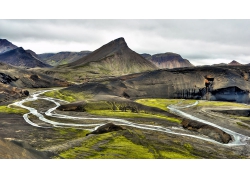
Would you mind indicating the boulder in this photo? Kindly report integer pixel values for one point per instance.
(210, 131)
(109, 127)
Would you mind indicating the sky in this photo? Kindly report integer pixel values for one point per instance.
(200, 41)
(204, 32)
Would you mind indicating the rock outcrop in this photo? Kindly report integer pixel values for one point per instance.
(210, 131)
(109, 127)
(230, 83)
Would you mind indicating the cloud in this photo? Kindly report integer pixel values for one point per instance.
(196, 40)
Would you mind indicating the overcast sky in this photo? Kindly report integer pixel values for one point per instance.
(200, 41)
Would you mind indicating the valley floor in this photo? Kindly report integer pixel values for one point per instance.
(136, 142)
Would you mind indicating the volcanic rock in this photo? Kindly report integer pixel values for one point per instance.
(210, 131)
(109, 127)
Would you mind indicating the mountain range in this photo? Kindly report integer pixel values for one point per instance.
(17, 56)
(55, 59)
(232, 63)
(5, 46)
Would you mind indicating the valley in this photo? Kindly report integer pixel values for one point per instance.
(114, 103)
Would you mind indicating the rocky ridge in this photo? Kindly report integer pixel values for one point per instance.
(167, 60)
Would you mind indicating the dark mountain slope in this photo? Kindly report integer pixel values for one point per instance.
(214, 83)
(22, 58)
(114, 58)
(5, 46)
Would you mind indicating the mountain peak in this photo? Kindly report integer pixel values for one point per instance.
(234, 63)
(5, 46)
(119, 42)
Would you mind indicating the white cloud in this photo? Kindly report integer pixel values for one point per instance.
(196, 40)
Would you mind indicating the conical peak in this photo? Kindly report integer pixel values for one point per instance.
(4, 42)
(120, 42)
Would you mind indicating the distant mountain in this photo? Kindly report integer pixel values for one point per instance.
(114, 58)
(20, 57)
(61, 58)
(220, 64)
(5, 46)
(32, 53)
(167, 60)
(234, 63)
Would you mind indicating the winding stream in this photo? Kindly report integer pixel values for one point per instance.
(238, 139)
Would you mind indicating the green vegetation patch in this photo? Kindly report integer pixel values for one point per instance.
(175, 155)
(159, 103)
(13, 110)
(67, 95)
(164, 103)
(116, 109)
(221, 103)
(77, 133)
(108, 146)
(131, 115)
(58, 95)
(116, 145)
(242, 125)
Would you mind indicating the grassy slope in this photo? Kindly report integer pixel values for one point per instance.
(67, 95)
(115, 145)
(163, 103)
(12, 110)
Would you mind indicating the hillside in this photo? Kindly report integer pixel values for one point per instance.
(167, 60)
(20, 57)
(55, 59)
(114, 58)
(14, 81)
(5, 46)
(212, 83)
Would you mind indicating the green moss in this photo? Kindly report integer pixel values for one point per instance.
(163, 103)
(128, 144)
(188, 146)
(57, 94)
(244, 118)
(108, 146)
(72, 131)
(159, 103)
(221, 103)
(175, 155)
(12, 110)
(67, 95)
(131, 115)
(242, 125)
